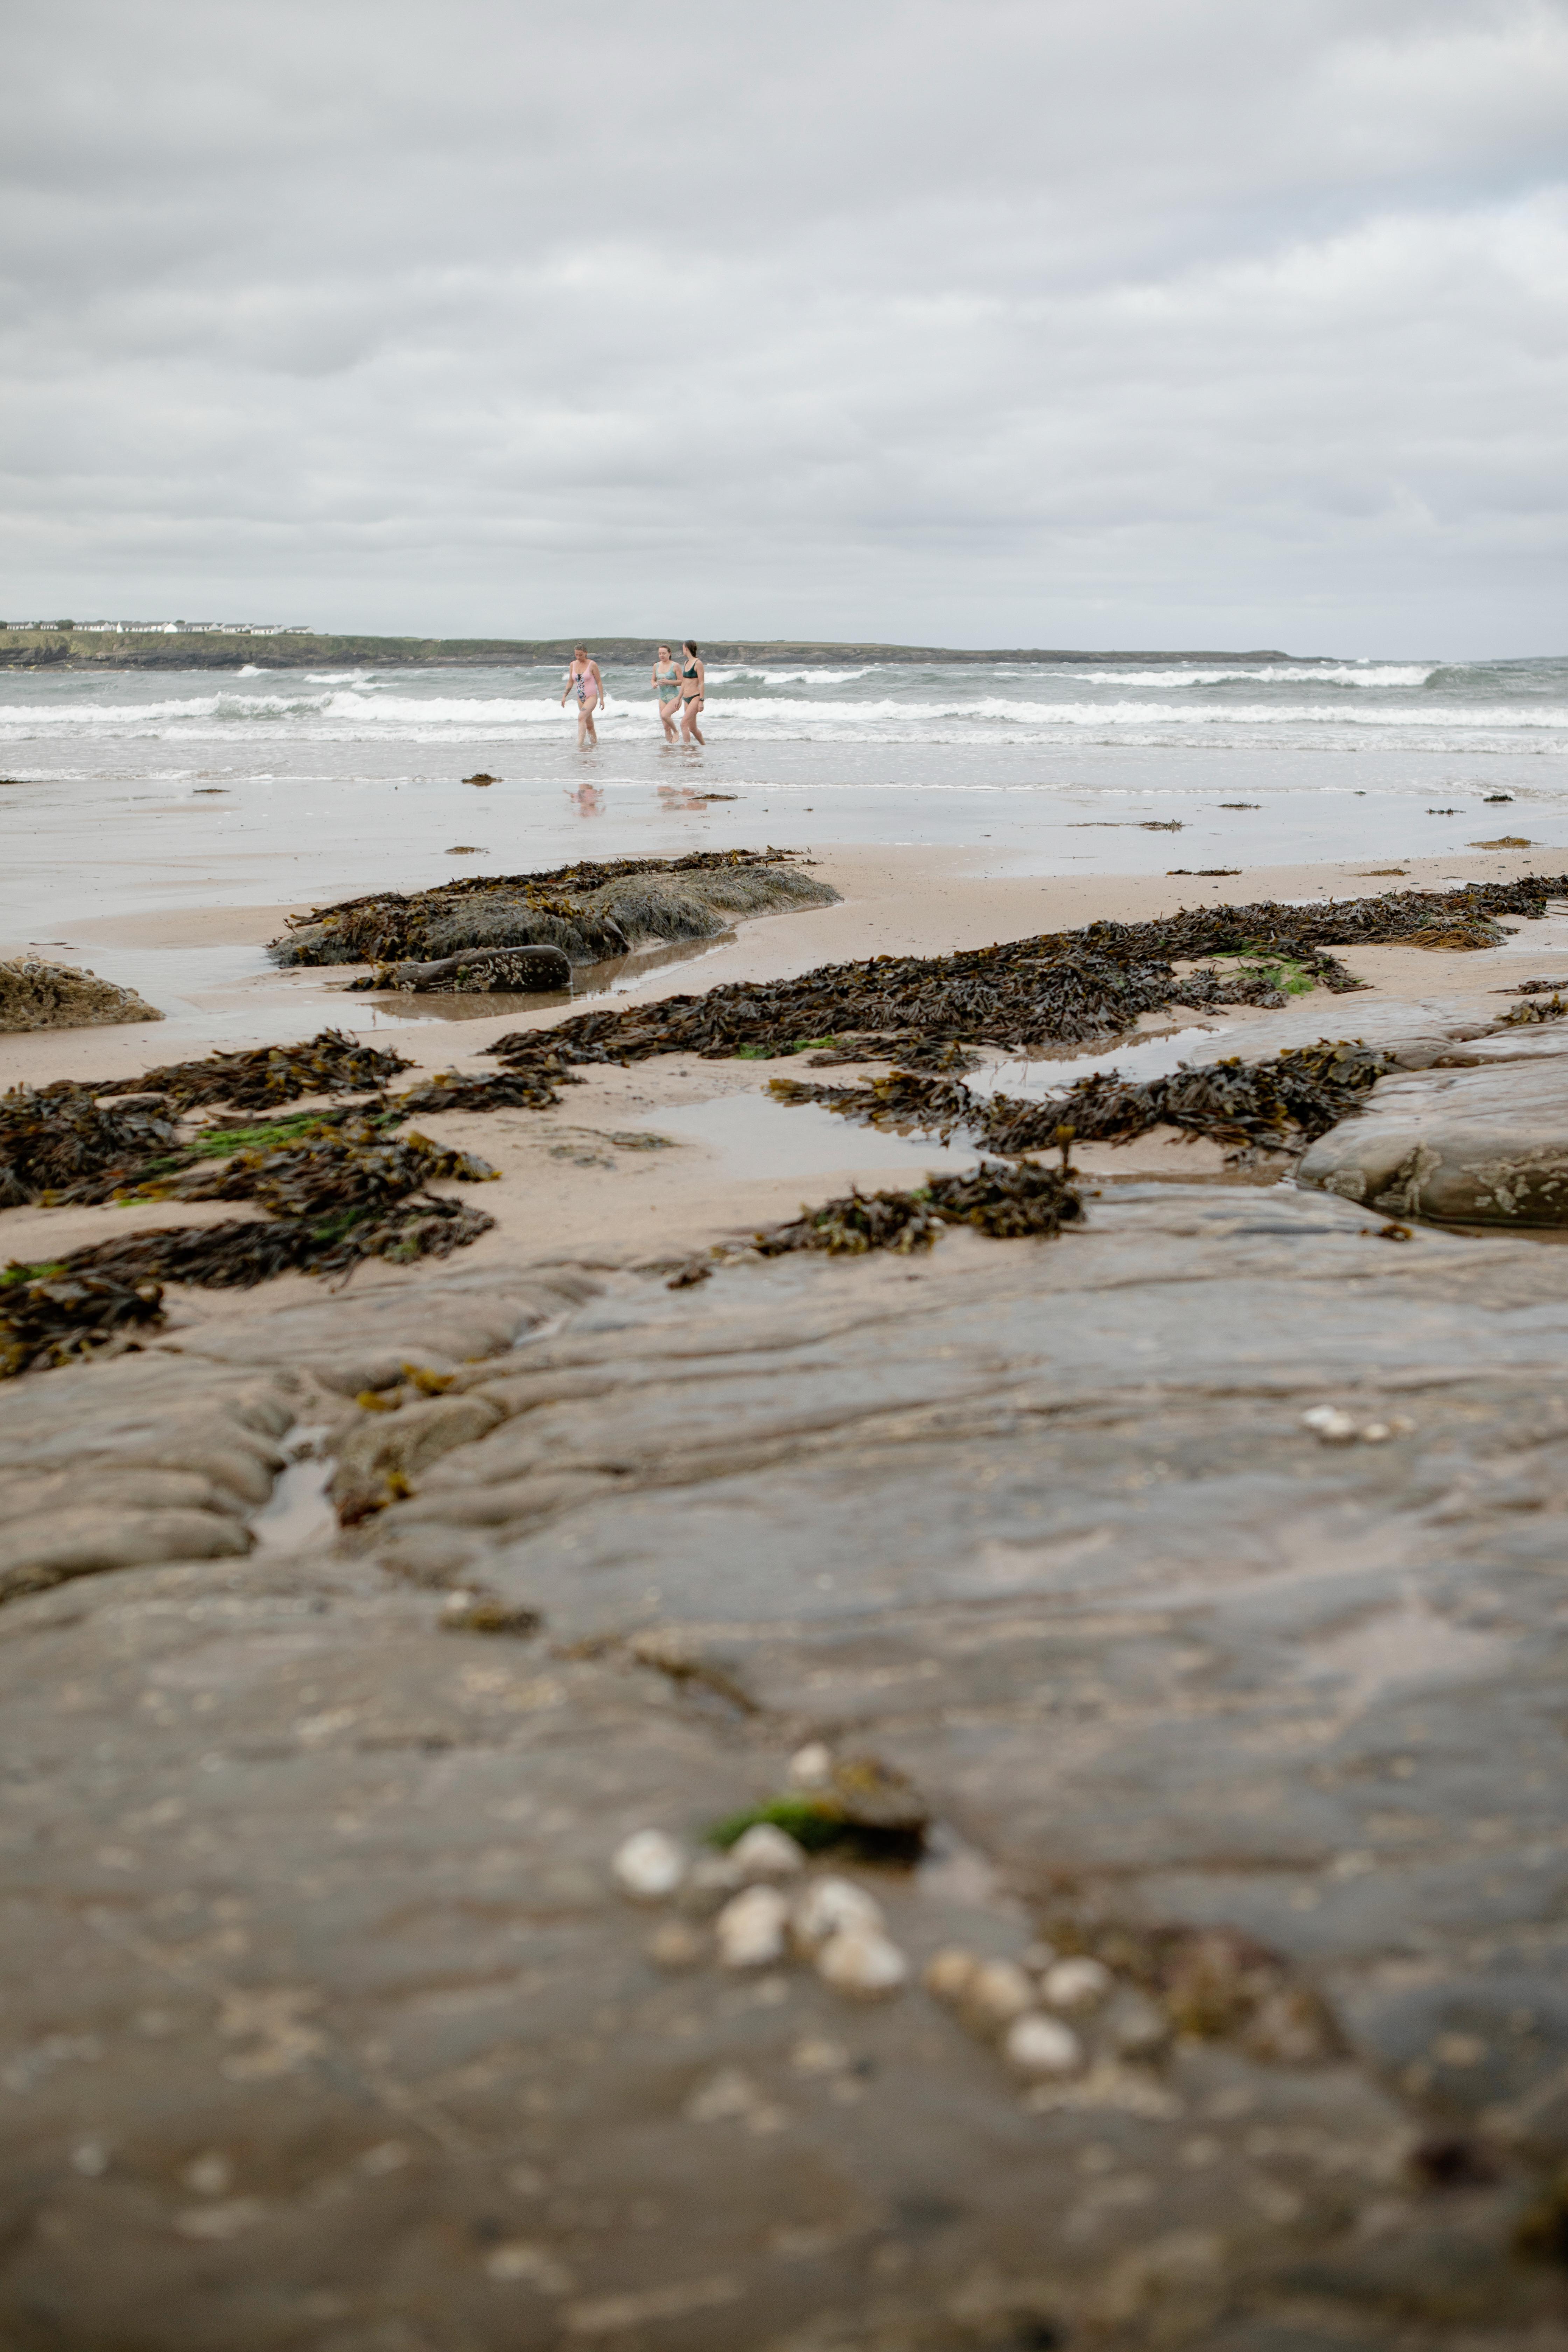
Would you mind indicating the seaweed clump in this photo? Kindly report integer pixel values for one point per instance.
(1537, 1008)
(57, 1139)
(328, 1064)
(61, 1144)
(1005, 1203)
(56, 1315)
(1276, 1105)
(335, 1197)
(864, 1809)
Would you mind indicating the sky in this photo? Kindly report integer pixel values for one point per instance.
(1100, 323)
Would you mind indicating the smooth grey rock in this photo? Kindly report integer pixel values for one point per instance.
(1483, 1143)
(325, 2025)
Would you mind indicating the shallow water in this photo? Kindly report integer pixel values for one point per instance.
(140, 792)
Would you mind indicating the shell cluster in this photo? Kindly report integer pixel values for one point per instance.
(772, 1907)
(1051, 2017)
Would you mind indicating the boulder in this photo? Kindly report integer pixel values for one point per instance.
(39, 995)
(1481, 1142)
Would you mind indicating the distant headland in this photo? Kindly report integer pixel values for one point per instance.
(207, 645)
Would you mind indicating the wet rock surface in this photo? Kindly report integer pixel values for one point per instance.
(1222, 2006)
(1479, 1137)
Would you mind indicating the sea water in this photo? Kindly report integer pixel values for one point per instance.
(145, 793)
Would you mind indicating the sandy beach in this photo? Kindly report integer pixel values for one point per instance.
(675, 1153)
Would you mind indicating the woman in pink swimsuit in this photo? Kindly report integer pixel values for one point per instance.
(583, 679)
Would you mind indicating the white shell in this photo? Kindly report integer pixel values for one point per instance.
(829, 1904)
(950, 1972)
(998, 1992)
(1075, 1984)
(750, 1931)
(862, 1961)
(766, 1852)
(648, 1865)
(1041, 2046)
(1327, 1421)
(811, 1767)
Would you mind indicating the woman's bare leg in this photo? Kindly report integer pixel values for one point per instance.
(689, 727)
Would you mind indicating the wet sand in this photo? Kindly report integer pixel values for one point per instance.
(677, 1152)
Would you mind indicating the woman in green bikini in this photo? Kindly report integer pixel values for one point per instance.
(666, 686)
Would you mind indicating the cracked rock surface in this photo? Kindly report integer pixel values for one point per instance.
(328, 2027)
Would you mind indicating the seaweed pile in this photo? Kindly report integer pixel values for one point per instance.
(1060, 987)
(58, 1141)
(49, 1315)
(1280, 1105)
(61, 1145)
(865, 1012)
(328, 1064)
(589, 911)
(332, 1167)
(1539, 1008)
(339, 1193)
(1006, 1203)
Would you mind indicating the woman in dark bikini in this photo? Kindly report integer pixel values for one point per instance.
(693, 681)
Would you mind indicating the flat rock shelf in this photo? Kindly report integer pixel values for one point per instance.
(1202, 1569)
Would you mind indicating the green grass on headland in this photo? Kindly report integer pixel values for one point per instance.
(64, 646)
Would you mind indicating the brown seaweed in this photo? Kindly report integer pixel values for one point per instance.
(1280, 1105)
(328, 1064)
(60, 1314)
(243, 1252)
(344, 1191)
(350, 1163)
(532, 1088)
(1005, 1201)
(58, 1138)
(1060, 987)
(1541, 1008)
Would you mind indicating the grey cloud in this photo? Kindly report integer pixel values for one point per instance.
(988, 322)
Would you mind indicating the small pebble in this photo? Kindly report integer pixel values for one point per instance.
(998, 1992)
(864, 1962)
(828, 1905)
(1075, 1984)
(1040, 2046)
(811, 1767)
(648, 1865)
(948, 1974)
(750, 1931)
(1039, 1956)
(1329, 1424)
(766, 1852)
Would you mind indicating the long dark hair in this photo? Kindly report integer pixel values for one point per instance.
(691, 645)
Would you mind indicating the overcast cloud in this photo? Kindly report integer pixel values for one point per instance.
(1094, 322)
